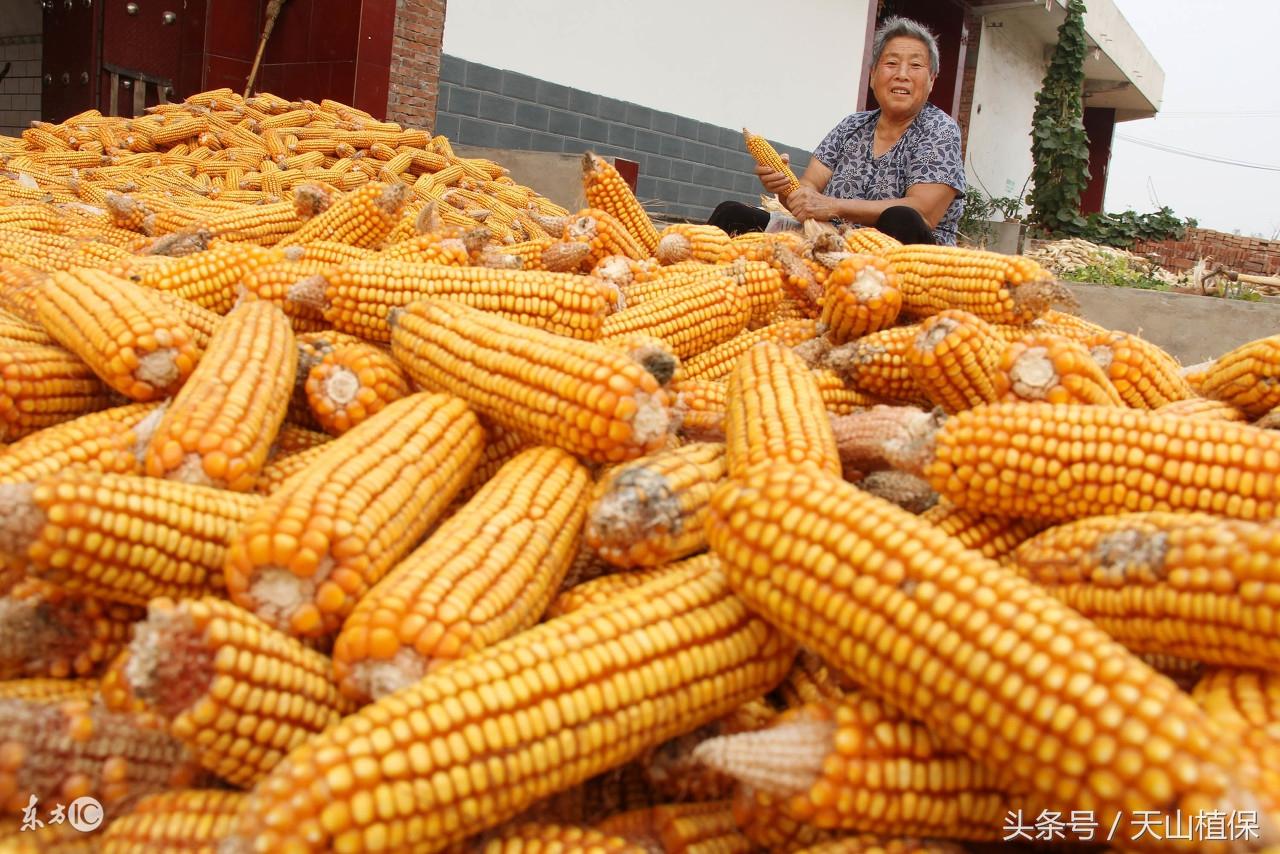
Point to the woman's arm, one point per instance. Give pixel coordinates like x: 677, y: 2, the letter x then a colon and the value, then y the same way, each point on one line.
x: 931, y: 200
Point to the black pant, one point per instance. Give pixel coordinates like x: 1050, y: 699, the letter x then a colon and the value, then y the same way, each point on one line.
x: 900, y: 222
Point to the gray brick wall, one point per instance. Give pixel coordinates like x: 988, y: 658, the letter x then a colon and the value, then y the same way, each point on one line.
x: 20, y: 88
x: 687, y: 167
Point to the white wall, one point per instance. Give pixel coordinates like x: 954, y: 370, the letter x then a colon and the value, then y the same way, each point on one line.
x: 705, y: 59
x: 1011, y: 66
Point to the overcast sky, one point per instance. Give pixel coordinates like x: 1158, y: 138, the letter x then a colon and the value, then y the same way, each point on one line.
x: 1221, y: 99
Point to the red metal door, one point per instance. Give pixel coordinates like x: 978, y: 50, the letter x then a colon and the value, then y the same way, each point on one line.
x: 69, y: 59
x: 141, y: 53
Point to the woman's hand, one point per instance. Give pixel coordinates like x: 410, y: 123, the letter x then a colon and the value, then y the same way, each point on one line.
x: 775, y: 182
x: 807, y: 203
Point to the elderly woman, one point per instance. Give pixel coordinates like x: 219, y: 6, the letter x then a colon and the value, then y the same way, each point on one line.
x: 897, y: 168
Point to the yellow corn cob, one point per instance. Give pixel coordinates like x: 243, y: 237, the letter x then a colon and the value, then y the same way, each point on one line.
x: 177, y: 129
x: 1185, y: 584
x: 121, y: 537
x: 1183, y: 671
x: 327, y: 251
x: 870, y: 843
x: 317, y: 545
x: 209, y: 279
x: 186, y: 821
x: 17, y: 288
x: 812, y: 680
x: 352, y: 383
x: 955, y: 359
x: 237, y: 692
x: 998, y: 288
x: 622, y: 272
x: 218, y: 429
x: 15, y: 330
x: 363, y: 217
x: 764, y: 823
x: 48, y: 688
x: 861, y: 296
x: 690, y: 242
x: 869, y: 241
x: 761, y: 284
x: 606, y: 190
x: 283, y: 466
x: 357, y: 297
x: 430, y: 248
x: 583, y: 397
x: 764, y: 154
x: 111, y: 440
x: 992, y: 536
x: 485, y: 574
x: 654, y: 354
x: 603, y: 588
x: 551, y: 837
x: 1251, y: 697
x: 500, y: 446
x: 859, y: 764
x: 698, y: 828
x: 604, y: 234
x: 645, y: 290
x: 1065, y: 687
x: 43, y: 386
x: 620, y: 788
x: 63, y: 750
x: 775, y: 412
x: 651, y: 511
x: 115, y: 692
x: 717, y: 362
x: 708, y: 657
x: 272, y: 282
x: 698, y: 408
x: 792, y: 309
x: 137, y: 345
x: 34, y: 217
x: 1203, y: 408
x: 1133, y: 460
x: 690, y: 319
x: 1248, y: 377
x: 1055, y: 370
x: 838, y: 398
x: 312, y: 348
x: 876, y: 364
x: 1145, y: 376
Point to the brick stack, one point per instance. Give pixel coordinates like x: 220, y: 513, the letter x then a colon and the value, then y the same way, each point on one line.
x: 415, y: 63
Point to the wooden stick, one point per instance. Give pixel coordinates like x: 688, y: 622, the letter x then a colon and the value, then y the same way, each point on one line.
x: 273, y: 12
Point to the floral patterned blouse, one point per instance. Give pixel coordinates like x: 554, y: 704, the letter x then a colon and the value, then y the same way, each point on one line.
x: 928, y: 153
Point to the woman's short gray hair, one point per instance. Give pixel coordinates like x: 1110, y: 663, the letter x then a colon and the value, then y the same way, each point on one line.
x: 897, y: 27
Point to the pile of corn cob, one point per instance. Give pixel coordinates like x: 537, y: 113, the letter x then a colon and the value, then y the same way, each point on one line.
x: 356, y: 498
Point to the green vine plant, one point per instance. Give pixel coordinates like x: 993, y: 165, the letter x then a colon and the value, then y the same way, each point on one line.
x: 1059, y: 147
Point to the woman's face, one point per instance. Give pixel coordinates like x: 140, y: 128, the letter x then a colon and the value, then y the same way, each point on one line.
x: 902, y: 81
